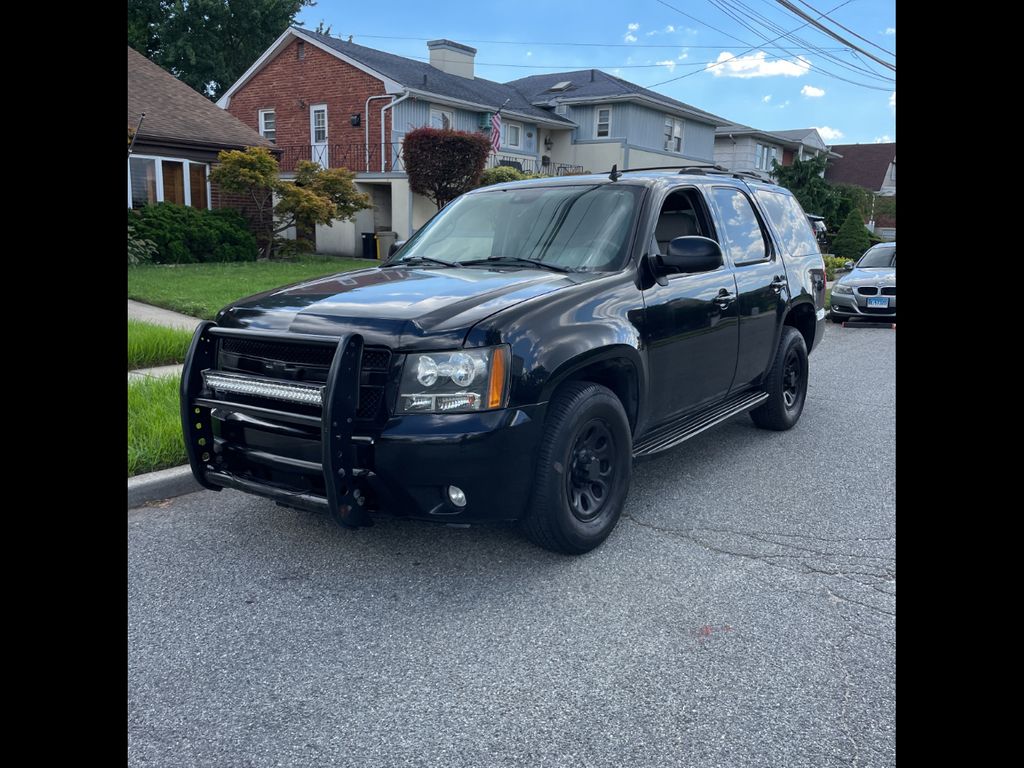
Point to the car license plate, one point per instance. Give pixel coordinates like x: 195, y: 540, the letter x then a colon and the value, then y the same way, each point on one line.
x: 878, y: 301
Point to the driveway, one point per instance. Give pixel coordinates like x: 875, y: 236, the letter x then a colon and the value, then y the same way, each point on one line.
x: 742, y: 614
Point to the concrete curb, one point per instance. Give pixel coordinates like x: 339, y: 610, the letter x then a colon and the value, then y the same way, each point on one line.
x: 163, y: 484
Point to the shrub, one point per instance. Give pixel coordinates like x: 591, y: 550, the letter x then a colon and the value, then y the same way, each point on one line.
x: 852, y: 239
x: 833, y: 263
x: 184, y: 235
x: 140, y: 250
x: 442, y: 164
x: 502, y: 173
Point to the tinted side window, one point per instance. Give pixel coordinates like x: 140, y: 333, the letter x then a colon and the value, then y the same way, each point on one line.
x: 792, y: 225
x: 741, y: 235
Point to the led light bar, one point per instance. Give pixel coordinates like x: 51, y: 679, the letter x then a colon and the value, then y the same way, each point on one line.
x: 307, y: 394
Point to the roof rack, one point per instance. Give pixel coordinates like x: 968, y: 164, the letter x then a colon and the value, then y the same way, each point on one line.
x: 700, y: 169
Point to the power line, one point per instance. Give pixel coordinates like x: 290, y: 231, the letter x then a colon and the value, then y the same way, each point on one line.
x: 796, y: 11
x: 826, y: 16
x: 562, y: 44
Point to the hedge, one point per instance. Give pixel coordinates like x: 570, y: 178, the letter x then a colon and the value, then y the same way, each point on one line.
x: 185, y: 235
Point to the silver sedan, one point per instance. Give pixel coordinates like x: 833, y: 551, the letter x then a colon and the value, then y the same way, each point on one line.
x: 869, y: 290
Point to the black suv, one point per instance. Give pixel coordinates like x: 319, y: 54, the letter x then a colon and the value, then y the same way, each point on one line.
x: 515, y: 355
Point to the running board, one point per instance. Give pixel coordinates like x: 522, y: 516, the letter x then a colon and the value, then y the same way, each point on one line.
x: 677, y: 432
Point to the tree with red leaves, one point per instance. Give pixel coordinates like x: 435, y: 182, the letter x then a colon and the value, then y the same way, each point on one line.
x: 442, y: 164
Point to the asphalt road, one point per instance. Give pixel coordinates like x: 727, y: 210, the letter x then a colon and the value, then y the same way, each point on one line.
x: 741, y: 614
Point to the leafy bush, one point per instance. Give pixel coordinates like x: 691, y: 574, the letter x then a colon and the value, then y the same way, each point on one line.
x: 140, y: 250
x: 852, y: 239
x: 442, y: 164
x: 184, y: 235
x: 833, y: 263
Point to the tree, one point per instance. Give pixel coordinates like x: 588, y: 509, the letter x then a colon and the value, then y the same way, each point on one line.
x: 853, y: 238
x: 316, y: 196
x: 442, y: 164
x: 803, y: 179
x: 208, y: 43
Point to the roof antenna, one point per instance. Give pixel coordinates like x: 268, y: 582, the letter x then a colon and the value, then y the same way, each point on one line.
x: 350, y: 38
x: 614, y: 175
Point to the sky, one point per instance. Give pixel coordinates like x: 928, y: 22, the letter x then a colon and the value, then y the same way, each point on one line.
x: 749, y: 61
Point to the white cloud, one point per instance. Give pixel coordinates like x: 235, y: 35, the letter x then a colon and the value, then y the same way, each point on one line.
x: 784, y: 104
x: 811, y: 92
x: 668, y: 64
x: 633, y: 27
x: 887, y: 139
x: 682, y: 55
x: 630, y: 38
x: 889, y: 31
x: 652, y: 32
x: 757, y: 65
x: 529, y: 53
x: 892, y: 100
x: 767, y: 98
x: 670, y: 28
x: 829, y: 134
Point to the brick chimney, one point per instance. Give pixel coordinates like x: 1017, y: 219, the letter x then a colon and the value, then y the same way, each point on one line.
x: 453, y: 58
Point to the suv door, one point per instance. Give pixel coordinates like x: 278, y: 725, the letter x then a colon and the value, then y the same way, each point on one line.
x: 691, y: 323
x: 760, y: 280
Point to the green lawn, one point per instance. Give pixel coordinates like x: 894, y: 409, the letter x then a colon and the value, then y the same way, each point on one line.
x: 154, y: 425
x: 201, y: 290
x: 151, y: 345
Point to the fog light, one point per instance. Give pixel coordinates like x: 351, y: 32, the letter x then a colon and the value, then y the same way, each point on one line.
x: 458, y: 498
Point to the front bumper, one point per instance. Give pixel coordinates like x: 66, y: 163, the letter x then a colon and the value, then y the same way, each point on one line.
x: 856, y: 305
x: 318, y: 458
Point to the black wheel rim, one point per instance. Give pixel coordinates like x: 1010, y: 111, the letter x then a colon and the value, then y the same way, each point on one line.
x: 591, y: 475
x: 792, y: 378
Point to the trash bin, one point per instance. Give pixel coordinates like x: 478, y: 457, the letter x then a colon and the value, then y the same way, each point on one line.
x: 369, y: 246
x: 384, y: 242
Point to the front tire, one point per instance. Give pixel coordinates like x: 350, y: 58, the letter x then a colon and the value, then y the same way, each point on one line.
x: 583, y: 470
x: 786, y: 384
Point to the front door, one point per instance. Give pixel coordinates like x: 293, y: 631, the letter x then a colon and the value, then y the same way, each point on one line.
x: 318, y: 135
x: 692, y: 322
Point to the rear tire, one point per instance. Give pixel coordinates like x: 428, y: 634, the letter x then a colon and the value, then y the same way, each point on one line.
x: 583, y: 470
x: 786, y: 384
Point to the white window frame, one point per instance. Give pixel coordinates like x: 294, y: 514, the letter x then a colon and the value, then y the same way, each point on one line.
x: 186, y: 164
x: 506, y: 129
x: 597, y: 123
x: 764, y: 154
x: 263, y: 127
x: 441, y: 113
x: 677, y: 134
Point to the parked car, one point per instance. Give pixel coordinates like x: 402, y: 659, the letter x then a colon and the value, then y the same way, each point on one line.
x: 869, y: 290
x: 513, y: 357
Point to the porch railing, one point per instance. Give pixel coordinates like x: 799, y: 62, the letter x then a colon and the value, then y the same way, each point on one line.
x: 361, y: 158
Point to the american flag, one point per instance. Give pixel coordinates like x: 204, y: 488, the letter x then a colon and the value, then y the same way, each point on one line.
x: 496, y: 132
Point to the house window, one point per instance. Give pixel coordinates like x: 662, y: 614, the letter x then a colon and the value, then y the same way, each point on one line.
x: 892, y: 173
x: 268, y: 125
x: 604, y: 123
x: 673, y: 134
x: 142, y: 177
x: 167, y: 180
x: 301, y: 49
x: 442, y: 118
x: 764, y: 155
x: 512, y: 135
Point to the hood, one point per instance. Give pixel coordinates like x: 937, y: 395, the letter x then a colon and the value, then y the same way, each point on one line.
x: 402, y: 308
x: 878, y: 276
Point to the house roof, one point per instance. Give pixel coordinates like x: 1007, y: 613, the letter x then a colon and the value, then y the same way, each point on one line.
x: 862, y: 164
x: 595, y: 85
x: 745, y: 130
x: 423, y: 77
x: 174, y: 111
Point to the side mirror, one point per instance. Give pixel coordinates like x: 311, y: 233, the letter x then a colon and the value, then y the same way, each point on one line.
x: 691, y: 254
x: 394, y: 247
x: 847, y: 265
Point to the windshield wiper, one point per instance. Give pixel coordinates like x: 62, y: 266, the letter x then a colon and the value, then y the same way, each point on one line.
x: 515, y: 260
x: 422, y: 260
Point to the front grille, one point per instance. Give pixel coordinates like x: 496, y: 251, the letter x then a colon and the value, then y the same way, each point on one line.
x: 889, y: 291
x: 867, y: 290
x: 297, y: 362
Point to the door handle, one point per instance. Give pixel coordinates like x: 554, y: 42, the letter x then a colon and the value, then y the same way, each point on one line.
x: 724, y: 298
x: 778, y: 284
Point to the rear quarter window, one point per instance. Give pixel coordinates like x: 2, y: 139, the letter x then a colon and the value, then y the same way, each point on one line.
x: 795, y: 233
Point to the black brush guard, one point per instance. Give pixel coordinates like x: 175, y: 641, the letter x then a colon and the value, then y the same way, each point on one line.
x: 343, y: 501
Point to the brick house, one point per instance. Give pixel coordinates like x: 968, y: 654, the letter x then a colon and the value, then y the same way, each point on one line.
x: 346, y: 105
x: 179, y: 140
x: 873, y: 167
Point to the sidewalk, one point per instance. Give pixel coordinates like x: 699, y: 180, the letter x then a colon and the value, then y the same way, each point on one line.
x: 139, y: 311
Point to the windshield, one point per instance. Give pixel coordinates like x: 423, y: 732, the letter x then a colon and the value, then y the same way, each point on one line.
x: 879, y: 256
x: 571, y: 227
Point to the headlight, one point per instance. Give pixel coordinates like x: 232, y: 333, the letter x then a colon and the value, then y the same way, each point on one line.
x: 462, y: 380
x: 841, y: 288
